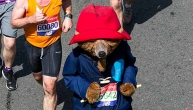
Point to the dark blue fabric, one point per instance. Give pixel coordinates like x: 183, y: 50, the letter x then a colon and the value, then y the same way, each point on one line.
x: 80, y: 71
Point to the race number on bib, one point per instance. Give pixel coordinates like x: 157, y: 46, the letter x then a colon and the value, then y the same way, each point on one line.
x: 108, y: 96
x: 48, y: 27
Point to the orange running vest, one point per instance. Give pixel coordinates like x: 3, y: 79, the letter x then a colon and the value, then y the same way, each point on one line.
x: 46, y: 33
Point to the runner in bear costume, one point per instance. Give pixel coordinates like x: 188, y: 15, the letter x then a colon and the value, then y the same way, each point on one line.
x: 100, y: 70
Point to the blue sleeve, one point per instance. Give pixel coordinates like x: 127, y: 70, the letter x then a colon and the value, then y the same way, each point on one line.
x: 130, y: 75
x: 129, y: 58
x: 130, y: 68
x: 71, y: 78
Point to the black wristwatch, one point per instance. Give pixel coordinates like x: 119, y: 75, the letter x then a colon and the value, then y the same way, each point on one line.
x: 68, y: 16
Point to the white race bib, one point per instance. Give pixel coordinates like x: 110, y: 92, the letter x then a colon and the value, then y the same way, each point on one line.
x: 48, y: 27
x: 108, y: 96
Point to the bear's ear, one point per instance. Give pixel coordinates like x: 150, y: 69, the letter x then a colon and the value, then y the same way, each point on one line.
x: 86, y: 46
x: 113, y: 44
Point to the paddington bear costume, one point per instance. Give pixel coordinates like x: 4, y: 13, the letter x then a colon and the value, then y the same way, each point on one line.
x: 99, y: 22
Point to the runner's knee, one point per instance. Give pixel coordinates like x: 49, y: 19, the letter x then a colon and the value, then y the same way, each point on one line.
x: 49, y: 85
x: 49, y: 89
x: 9, y: 43
x: 37, y: 76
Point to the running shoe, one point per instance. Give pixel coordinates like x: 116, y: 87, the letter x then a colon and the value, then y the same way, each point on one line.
x: 11, y: 82
x: 127, y: 13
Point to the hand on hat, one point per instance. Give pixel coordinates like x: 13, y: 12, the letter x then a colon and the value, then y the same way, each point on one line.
x: 67, y: 24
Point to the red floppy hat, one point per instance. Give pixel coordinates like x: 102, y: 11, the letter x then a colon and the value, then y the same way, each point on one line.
x: 98, y: 22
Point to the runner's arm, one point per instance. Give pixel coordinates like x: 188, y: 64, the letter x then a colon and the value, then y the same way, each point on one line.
x: 19, y: 20
x: 67, y: 8
x: 72, y: 79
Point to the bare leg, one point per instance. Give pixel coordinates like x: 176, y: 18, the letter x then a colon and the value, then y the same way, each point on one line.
x: 38, y: 77
x: 9, y: 51
x: 0, y: 43
x: 50, y: 95
x: 116, y: 4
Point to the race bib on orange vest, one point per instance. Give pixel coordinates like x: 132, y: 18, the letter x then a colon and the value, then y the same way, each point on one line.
x: 108, y: 96
x: 48, y: 27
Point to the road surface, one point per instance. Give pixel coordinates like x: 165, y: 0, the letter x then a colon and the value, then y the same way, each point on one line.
x: 162, y: 42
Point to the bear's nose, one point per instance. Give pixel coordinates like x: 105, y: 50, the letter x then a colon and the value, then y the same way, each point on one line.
x: 102, y: 54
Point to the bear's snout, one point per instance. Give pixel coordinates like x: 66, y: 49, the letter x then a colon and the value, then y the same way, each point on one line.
x: 101, y: 49
x: 102, y: 54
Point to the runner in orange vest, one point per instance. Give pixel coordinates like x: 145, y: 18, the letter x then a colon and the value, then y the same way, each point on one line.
x: 43, y: 28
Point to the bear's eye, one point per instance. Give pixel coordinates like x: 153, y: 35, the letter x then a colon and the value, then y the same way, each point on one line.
x: 111, y: 40
x: 91, y: 41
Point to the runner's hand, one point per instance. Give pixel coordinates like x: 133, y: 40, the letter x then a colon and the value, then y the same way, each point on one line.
x: 38, y: 16
x: 67, y: 24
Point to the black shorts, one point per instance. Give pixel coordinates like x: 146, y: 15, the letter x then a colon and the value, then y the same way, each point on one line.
x: 47, y: 60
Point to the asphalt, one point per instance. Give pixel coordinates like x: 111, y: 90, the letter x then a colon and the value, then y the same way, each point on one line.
x: 162, y: 39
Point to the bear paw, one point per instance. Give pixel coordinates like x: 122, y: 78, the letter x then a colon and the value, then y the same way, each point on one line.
x: 93, y: 92
x: 127, y: 89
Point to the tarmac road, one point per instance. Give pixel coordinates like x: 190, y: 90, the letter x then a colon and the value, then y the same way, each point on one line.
x: 162, y: 39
